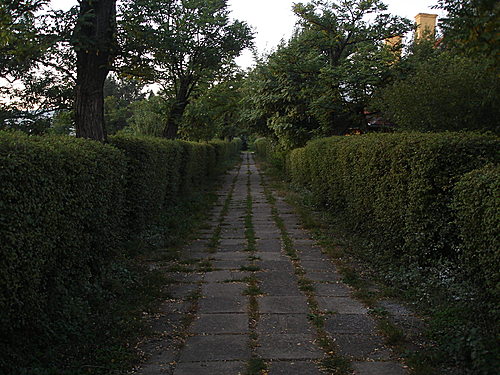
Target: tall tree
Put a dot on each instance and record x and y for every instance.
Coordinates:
(182, 44)
(472, 27)
(320, 82)
(95, 47)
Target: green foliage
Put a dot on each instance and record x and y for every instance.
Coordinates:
(477, 204)
(442, 92)
(66, 206)
(471, 26)
(61, 209)
(417, 207)
(119, 95)
(153, 177)
(148, 116)
(181, 45)
(215, 112)
(395, 188)
(319, 82)
(62, 123)
(18, 34)
(266, 150)
(35, 62)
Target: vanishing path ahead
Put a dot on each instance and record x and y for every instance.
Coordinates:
(259, 293)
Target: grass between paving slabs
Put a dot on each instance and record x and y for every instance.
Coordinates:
(256, 365)
(343, 253)
(333, 363)
(215, 239)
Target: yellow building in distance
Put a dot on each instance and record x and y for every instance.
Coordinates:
(426, 25)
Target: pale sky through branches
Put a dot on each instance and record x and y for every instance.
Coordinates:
(273, 20)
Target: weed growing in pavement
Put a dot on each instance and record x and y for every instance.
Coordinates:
(256, 365)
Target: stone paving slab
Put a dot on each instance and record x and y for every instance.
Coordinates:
(236, 255)
(211, 368)
(362, 347)
(224, 276)
(293, 368)
(213, 324)
(276, 265)
(153, 368)
(180, 291)
(272, 256)
(305, 242)
(283, 324)
(332, 290)
(323, 277)
(271, 288)
(160, 360)
(273, 246)
(350, 323)
(283, 305)
(341, 305)
(166, 324)
(230, 304)
(233, 242)
(230, 264)
(278, 277)
(222, 289)
(232, 248)
(378, 368)
(311, 265)
(288, 346)
(185, 277)
(216, 348)
(173, 306)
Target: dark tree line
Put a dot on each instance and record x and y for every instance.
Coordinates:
(180, 45)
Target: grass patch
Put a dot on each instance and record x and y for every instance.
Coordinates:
(336, 365)
(252, 290)
(318, 320)
(256, 366)
(250, 268)
(306, 285)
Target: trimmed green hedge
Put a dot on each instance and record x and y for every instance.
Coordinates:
(477, 205)
(153, 177)
(396, 188)
(66, 205)
(427, 209)
(160, 171)
(61, 205)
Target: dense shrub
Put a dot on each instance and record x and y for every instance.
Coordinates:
(445, 92)
(153, 177)
(424, 215)
(394, 188)
(66, 205)
(226, 150)
(477, 205)
(61, 205)
(262, 148)
(271, 152)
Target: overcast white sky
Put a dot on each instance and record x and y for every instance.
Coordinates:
(274, 20)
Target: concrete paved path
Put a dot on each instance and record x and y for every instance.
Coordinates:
(255, 292)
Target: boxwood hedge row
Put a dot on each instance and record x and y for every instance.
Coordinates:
(405, 192)
(65, 207)
(476, 202)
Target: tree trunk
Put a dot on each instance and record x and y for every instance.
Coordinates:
(177, 110)
(94, 41)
